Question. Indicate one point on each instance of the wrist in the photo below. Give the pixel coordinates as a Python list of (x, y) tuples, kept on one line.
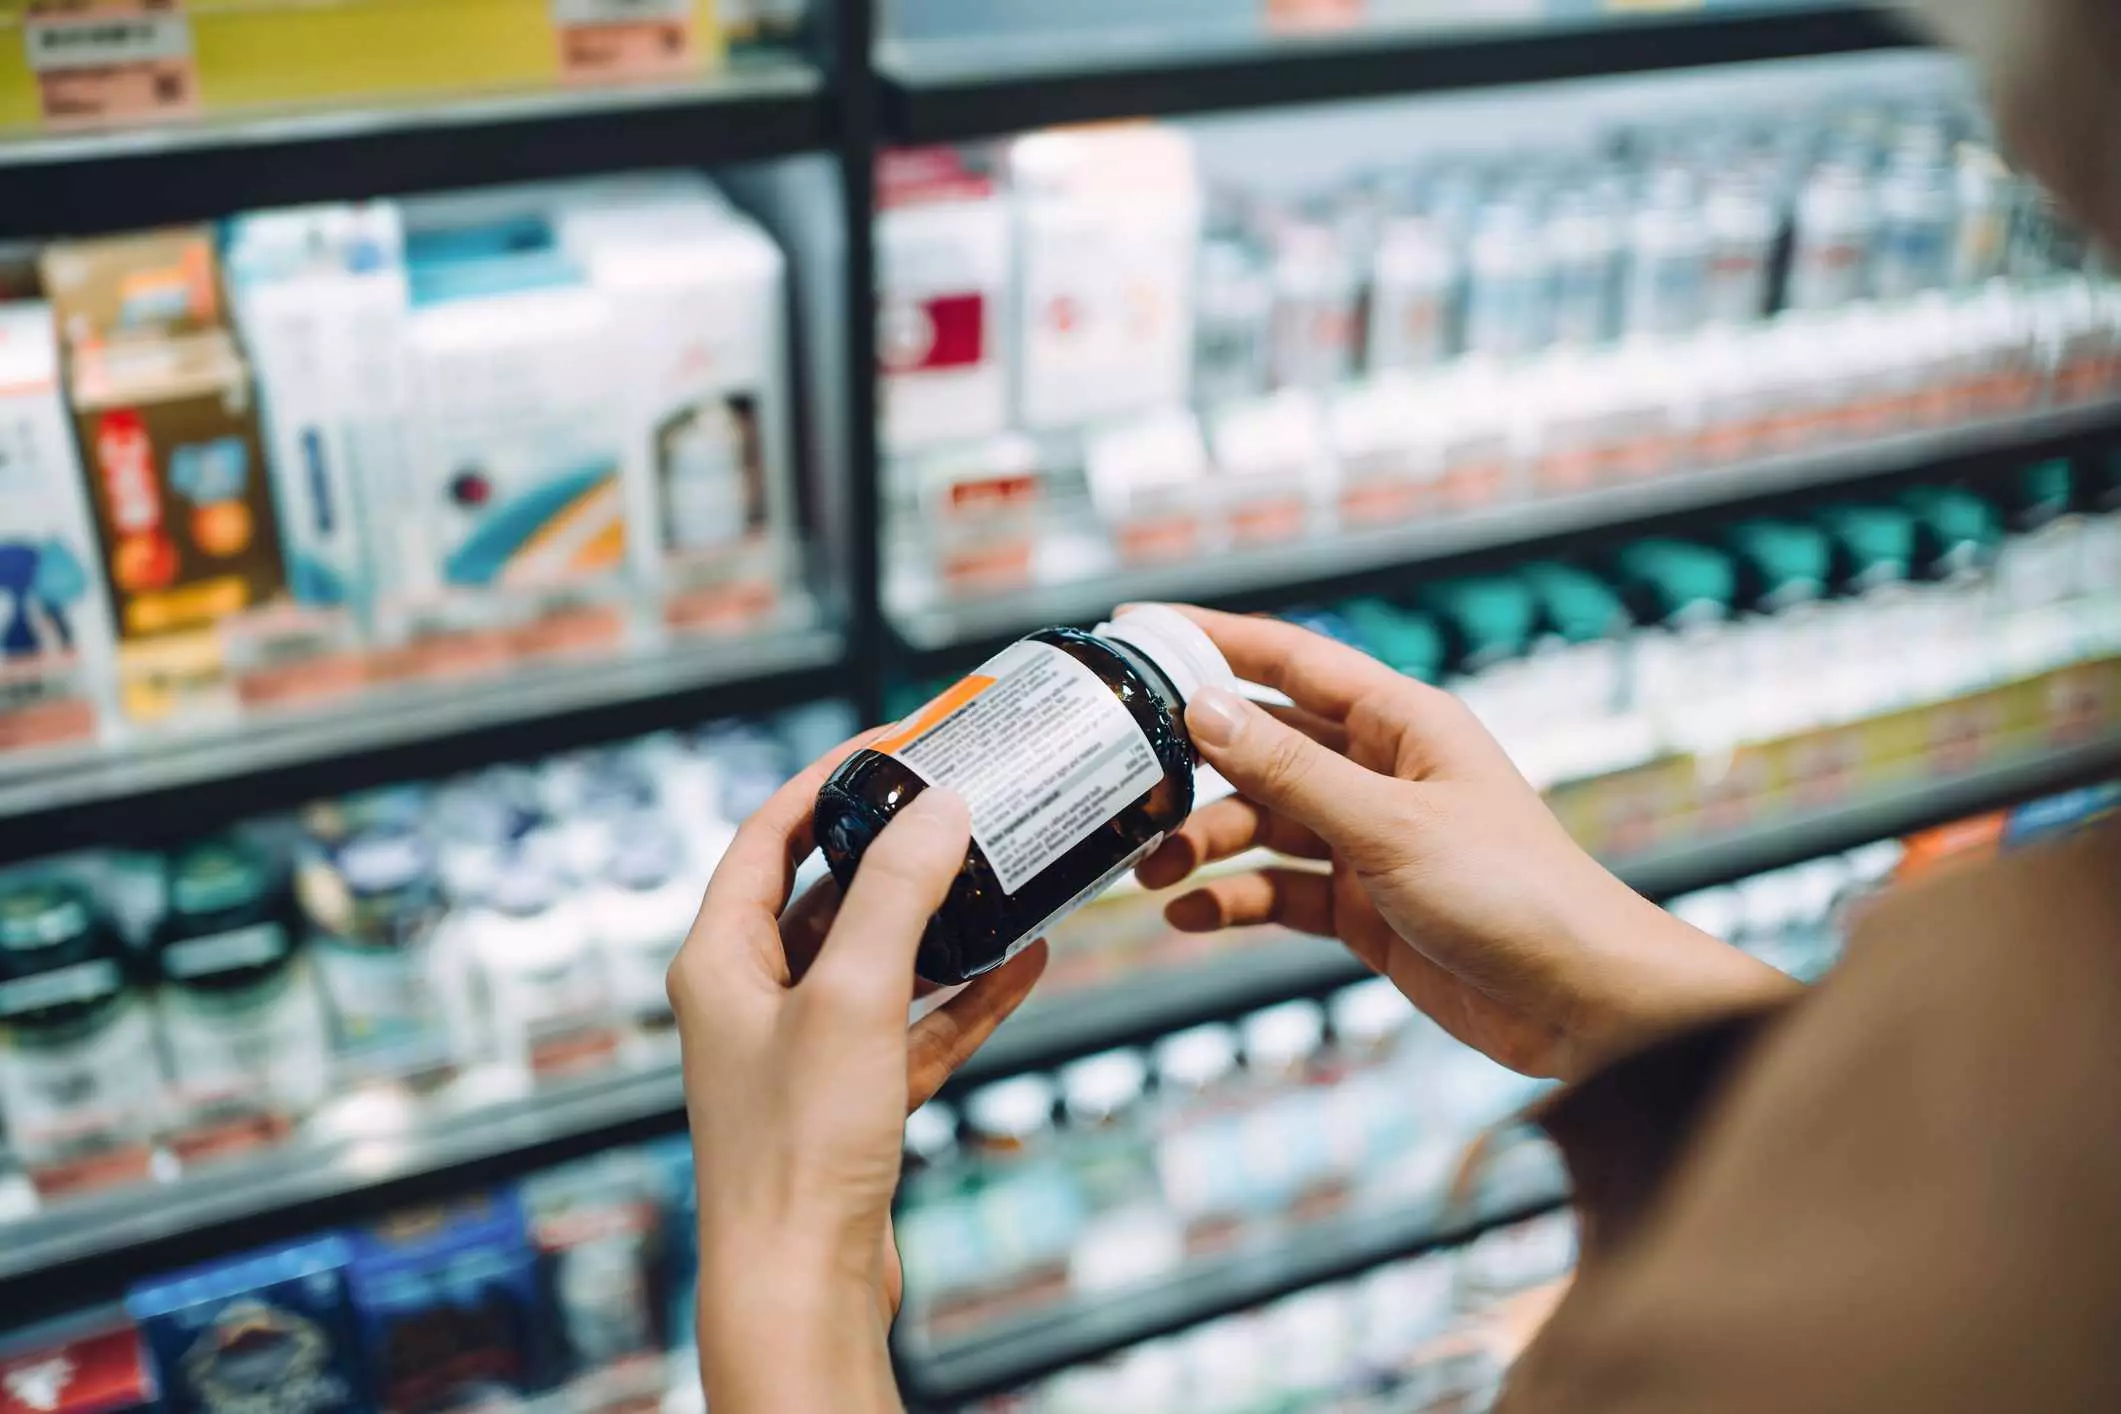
[(780, 1328)]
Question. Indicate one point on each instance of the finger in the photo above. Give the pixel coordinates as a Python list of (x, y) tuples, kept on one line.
[(805, 923), (1320, 676), (758, 868), (1294, 898), (1348, 806), (1333, 736), (866, 965), (1221, 831), (945, 1038)]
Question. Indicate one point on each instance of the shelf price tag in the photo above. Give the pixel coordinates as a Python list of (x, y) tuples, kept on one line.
[(602, 41), (111, 61)]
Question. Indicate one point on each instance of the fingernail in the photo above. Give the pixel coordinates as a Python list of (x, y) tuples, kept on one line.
[(1216, 717)]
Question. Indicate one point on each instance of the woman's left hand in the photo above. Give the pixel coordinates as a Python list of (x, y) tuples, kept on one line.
[(799, 1073)]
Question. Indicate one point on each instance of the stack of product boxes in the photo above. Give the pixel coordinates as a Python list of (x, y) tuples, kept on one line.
[(573, 1286), (353, 445), (1070, 323)]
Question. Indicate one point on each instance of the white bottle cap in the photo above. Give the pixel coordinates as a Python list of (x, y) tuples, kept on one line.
[(1100, 1086), (1012, 1109), (1369, 1012), (931, 1131), (1177, 646), (1197, 1058), (1282, 1035)]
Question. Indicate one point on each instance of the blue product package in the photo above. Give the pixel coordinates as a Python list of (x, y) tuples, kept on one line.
[(679, 1252), (267, 1333), (447, 1300)]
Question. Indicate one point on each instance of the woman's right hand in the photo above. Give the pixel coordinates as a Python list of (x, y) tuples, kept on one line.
[(1449, 875)]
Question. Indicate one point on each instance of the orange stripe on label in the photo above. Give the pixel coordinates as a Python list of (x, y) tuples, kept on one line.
[(931, 716)]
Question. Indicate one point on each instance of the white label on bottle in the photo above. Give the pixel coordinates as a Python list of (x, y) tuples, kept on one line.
[(1041, 750), (268, 1051), (84, 981), (101, 1083), (223, 952)]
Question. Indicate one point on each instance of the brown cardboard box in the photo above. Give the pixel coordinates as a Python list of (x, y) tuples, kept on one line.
[(151, 284)]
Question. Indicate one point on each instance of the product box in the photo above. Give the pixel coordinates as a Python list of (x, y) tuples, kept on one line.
[(447, 1304), (271, 1330), (508, 514), (942, 279), (1150, 485), (698, 297), (595, 1226), (146, 285), (86, 1364), (184, 512), (55, 629), (978, 504), (1107, 224)]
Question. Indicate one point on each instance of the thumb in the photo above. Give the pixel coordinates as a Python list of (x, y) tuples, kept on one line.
[(1274, 765)]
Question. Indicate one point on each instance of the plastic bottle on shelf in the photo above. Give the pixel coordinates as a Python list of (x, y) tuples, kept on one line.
[(1031, 1210), (1684, 670), (1129, 1237), (1873, 548), (1833, 238), (547, 996), (1742, 222), (1583, 230), (1917, 207), (79, 1088), (1200, 1157), (375, 905), (639, 911), (1983, 191), (241, 1017), (1668, 257), (1508, 305), (1784, 567), (1957, 535), (948, 1264), (1416, 286), (1578, 668), (1318, 292), (1287, 1139), (1233, 321)]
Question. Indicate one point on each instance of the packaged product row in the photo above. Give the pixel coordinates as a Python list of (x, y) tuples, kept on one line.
[(324, 450), (574, 1286), (1429, 1335), (66, 65), (1074, 379), (1070, 276), (1119, 1169), (389, 960), (1765, 627)]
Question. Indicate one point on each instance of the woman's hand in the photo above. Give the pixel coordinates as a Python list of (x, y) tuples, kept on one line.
[(1449, 875), (799, 1073)]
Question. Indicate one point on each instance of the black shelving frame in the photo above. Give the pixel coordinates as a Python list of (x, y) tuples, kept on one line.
[(850, 97)]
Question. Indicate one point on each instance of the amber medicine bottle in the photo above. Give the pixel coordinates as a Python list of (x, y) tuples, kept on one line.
[(1071, 751)]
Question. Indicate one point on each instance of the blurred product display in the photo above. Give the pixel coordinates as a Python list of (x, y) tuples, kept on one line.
[(390, 959), (326, 451), (1439, 339), (65, 65), (441, 497)]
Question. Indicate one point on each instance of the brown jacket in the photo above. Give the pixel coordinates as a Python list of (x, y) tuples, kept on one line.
[(1901, 1193)]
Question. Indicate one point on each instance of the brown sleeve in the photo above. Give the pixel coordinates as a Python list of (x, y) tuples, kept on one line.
[(1904, 1194)]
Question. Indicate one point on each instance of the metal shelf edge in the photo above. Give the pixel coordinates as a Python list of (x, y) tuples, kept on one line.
[(933, 95), (939, 626)]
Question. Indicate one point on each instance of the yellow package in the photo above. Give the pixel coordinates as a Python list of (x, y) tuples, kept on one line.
[(75, 63)]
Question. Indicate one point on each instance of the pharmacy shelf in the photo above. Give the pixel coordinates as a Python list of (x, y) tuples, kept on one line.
[(953, 90), (1145, 1005), (86, 1250), (930, 623), (81, 183), (150, 791), (1014, 1352)]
